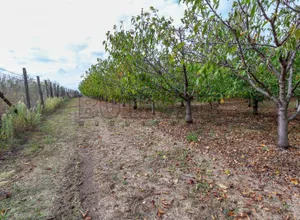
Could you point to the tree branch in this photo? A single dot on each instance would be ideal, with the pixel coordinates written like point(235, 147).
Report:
point(271, 21)
point(290, 7)
point(295, 115)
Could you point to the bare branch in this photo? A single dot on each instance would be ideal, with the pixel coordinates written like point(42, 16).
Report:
point(250, 81)
point(290, 7)
point(262, 55)
point(296, 86)
point(271, 21)
point(295, 115)
point(219, 17)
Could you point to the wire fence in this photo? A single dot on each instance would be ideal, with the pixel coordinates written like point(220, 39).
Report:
point(13, 87)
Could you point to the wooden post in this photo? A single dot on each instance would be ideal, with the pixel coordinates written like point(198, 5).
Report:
point(51, 90)
point(68, 95)
point(47, 91)
point(57, 91)
point(26, 88)
point(8, 102)
point(54, 89)
point(40, 91)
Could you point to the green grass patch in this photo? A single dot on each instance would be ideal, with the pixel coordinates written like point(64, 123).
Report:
point(192, 137)
point(52, 104)
point(154, 122)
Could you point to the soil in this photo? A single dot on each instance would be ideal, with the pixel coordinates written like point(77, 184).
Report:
point(95, 160)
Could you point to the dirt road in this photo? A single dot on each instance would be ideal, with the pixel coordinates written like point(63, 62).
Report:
point(117, 168)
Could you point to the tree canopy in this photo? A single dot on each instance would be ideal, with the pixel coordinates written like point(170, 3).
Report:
point(251, 52)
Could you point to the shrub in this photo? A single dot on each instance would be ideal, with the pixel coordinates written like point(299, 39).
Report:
point(13, 124)
point(52, 103)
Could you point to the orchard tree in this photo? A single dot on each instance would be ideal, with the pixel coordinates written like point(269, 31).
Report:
point(258, 34)
point(160, 50)
point(102, 81)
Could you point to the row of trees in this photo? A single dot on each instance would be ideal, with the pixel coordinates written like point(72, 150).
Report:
point(252, 52)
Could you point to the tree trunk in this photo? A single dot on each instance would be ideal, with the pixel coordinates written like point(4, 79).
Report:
point(283, 104)
point(255, 107)
point(297, 103)
point(182, 103)
point(124, 104)
point(210, 103)
point(283, 141)
point(188, 115)
point(153, 107)
point(134, 104)
point(249, 102)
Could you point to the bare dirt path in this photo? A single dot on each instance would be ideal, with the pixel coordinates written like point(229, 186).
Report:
point(121, 168)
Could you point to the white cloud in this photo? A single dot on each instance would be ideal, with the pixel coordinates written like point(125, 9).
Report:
point(48, 36)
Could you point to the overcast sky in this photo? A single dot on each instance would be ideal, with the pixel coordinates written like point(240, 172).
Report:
point(60, 39)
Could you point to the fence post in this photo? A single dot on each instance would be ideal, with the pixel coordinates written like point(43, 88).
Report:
point(51, 90)
point(57, 90)
point(54, 89)
point(40, 90)
point(63, 91)
point(47, 91)
point(8, 102)
point(26, 88)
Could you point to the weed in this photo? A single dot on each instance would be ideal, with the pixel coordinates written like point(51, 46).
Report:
point(203, 187)
point(47, 127)
point(115, 177)
point(212, 133)
point(13, 124)
point(32, 148)
point(4, 214)
point(52, 103)
point(111, 123)
point(285, 205)
point(49, 140)
point(154, 122)
point(17, 188)
point(192, 137)
point(228, 212)
point(125, 124)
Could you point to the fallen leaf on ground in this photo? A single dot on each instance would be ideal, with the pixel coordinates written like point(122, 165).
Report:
point(227, 172)
point(191, 182)
point(222, 186)
point(294, 181)
point(85, 215)
point(160, 212)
